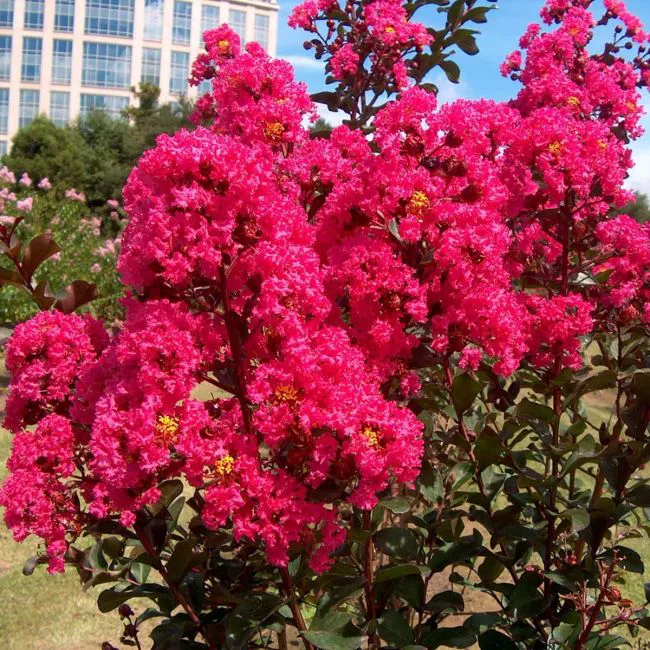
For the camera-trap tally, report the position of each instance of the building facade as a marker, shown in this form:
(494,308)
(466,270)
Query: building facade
(63,58)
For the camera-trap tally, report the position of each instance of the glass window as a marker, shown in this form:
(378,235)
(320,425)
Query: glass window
(209,17)
(110,17)
(150,65)
(61,61)
(262,30)
(107,65)
(153,19)
(64,16)
(4,110)
(29,100)
(205,86)
(3,147)
(5,58)
(60,107)
(179,70)
(32,54)
(237,22)
(34,12)
(182,26)
(6,13)
(109,103)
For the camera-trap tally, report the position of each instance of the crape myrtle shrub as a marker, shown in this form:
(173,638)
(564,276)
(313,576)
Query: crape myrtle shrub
(402,325)
(65,241)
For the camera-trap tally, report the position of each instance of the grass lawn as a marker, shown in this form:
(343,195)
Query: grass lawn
(44,612)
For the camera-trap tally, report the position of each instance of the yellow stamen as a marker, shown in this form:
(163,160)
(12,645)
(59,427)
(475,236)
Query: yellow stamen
(602,144)
(224,46)
(286,394)
(573,101)
(290,301)
(389,29)
(555,147)
(274,132)
(418,203)
(224,466)
(371,434)
(166,430)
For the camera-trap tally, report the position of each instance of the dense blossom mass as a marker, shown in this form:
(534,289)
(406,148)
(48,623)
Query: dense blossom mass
(302,279)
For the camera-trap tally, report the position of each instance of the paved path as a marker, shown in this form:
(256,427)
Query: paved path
(5,333)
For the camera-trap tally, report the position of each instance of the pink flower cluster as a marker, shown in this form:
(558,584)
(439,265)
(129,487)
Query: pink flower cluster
(303,280)
(376,39)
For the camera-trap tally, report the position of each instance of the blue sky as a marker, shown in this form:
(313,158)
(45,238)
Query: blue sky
(480,75)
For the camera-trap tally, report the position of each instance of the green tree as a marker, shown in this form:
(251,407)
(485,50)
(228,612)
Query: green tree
(43,149)
(96,152)
(638,209)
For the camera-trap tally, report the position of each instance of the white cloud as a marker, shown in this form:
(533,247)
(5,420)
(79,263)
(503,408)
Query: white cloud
(640,174)
(449,92)
(304,62)
(334,119)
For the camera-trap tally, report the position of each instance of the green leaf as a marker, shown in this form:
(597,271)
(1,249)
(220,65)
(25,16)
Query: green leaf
(639,496)
(112,598)
(32,563)
(587,452)
(335,595)
(140,571)
(630,560)
(567,632)
(526,600)
(411,590)
(455,12)
(464,391)
(397,542)
(641,385)
(453,637)
(397,505)
(463,472)
(493,640)
(430,483)
(487,449)
(445,600)
(477,15)
(394,572)
(454,553)
(244,620)
(601,381)
(394,629)
(606,642)
(482,622)
(332,640)
(579,518)
(466,41)
(451,69)
(535,411)
(490,569)
(181,557)
(172,634)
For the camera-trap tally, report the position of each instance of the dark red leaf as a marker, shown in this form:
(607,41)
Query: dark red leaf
(77,294)
(41,248)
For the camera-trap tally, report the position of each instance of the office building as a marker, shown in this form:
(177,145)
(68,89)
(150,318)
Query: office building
(64,58)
